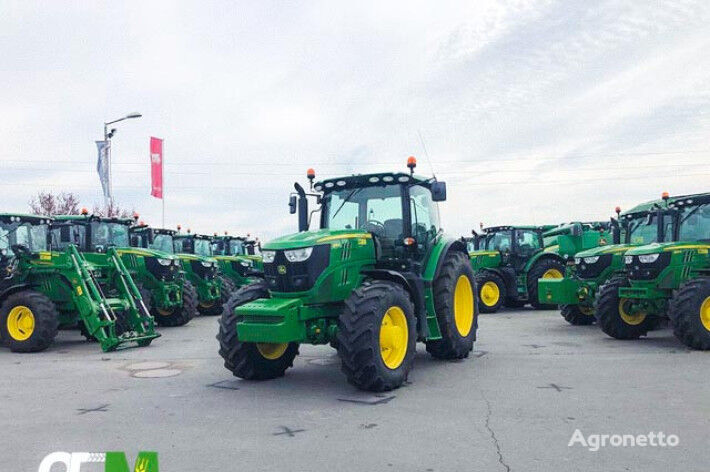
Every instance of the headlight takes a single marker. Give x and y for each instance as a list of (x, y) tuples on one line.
[(246, 263), (648, 258), (591, 260), (165, 262), (268, 256), (206, 264), (628, 259), (577, 260), (298, 255)]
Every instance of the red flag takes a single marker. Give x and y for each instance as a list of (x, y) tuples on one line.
[(156, 167)]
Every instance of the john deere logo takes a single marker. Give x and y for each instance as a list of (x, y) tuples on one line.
[(113, 461), (281, 269)]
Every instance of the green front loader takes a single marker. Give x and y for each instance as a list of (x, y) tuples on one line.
[(156, 273), (42, 290), (237, 267), (666, 279), (592, 268), (509, 260), (376, 276)]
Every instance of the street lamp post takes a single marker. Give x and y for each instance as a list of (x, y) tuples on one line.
[(107, 138)]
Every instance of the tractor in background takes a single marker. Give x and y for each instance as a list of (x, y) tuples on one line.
[(376, 276), (42, 290), (509, 260), (592, 268), (157, 274), (236, 266), (202, 270), (669, 278)]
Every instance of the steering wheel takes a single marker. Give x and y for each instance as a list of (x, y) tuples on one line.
[(20, 249), (379, 226)]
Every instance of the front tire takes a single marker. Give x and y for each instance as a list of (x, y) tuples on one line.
[(29, 321), (377, 336), (251, 361), (612, 316), (690, 314), (455, 305), (546, 268), (577, 315), (491, 291)]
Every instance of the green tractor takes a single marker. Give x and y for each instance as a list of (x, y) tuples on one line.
[(666, 279), (202, 270), (376, 277), (509, 260), (237, 267), (42, 290), (156, 273), (592, 268)]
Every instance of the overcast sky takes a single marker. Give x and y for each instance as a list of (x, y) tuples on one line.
[(533, 112)]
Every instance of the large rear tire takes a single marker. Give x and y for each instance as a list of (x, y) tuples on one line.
[(690, 314), (491, 291), (377, 336), (612, 316), (251, 361), (577, 315), (546, 268), (456, 308), (29, 321)]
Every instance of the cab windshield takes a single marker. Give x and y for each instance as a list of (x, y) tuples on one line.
[(33, 237), (236, 248), (695, 223), (497, 241), (109, 234), (162, 242), (643, 229), (203, 247)]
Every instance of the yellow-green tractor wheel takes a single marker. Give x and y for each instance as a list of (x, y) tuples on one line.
[(28, 321), (690, 314)]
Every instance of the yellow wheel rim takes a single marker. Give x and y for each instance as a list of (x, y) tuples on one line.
[(463, 305), (629, 319), (394, 337), (209, 304), (271, 351), (490, 293), (20, 323), (586, 310), (705, 313), (162, 312), (552, 274)]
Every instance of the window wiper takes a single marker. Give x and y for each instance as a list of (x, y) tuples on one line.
[(347, 199)]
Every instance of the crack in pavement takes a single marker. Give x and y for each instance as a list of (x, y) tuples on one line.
[(493, 434)]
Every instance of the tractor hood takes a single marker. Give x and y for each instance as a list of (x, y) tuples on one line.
[(145, 252), (608, 249), (655, 248), (311, 238), (195, 257)]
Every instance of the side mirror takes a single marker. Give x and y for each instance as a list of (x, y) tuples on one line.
[(438, 191), (292, 204)]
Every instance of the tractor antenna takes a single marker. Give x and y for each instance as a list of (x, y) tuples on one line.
[(426, 153)]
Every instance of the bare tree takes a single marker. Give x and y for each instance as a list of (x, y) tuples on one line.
[(113, 210), (48, 203)]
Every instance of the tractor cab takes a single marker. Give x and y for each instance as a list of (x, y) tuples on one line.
[(90, 233), (229, 246), (28, 233), (159, 239), (515, 244), (397, 210), (189, 243)]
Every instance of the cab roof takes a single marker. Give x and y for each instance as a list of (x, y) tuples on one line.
[(90, 218), (676, 201), (371, 180), (493, 229), (25, 218), (191, 235)]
